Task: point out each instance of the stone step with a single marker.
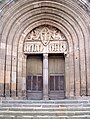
(45, 117)
(45, 108)
(45, 101)
(44, 113)
(45, 105)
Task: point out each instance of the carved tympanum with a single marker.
(45, 39)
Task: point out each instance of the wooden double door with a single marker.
(56, 80)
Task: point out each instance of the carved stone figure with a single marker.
(47, 38)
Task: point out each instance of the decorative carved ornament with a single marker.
(45, 39)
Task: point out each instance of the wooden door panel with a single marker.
(34, 82)
(34, 65)
(57, 83)
(28, 83)
(51, 83)
(40, 83)
(62, 83)
(56, 77)
(56, 65)
(57, 90)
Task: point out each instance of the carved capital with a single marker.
(45, 56)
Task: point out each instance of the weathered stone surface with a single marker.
(19, 18)
(61, 109)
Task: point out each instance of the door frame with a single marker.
(45, 91)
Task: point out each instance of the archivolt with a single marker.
(67, 16)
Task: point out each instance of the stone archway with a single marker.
(18, 19)
(45, 77)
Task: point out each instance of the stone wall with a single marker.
(18, 18)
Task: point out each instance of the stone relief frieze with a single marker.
(45, 39)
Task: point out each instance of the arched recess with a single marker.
(24, 16)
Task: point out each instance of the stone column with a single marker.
(45, 76)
